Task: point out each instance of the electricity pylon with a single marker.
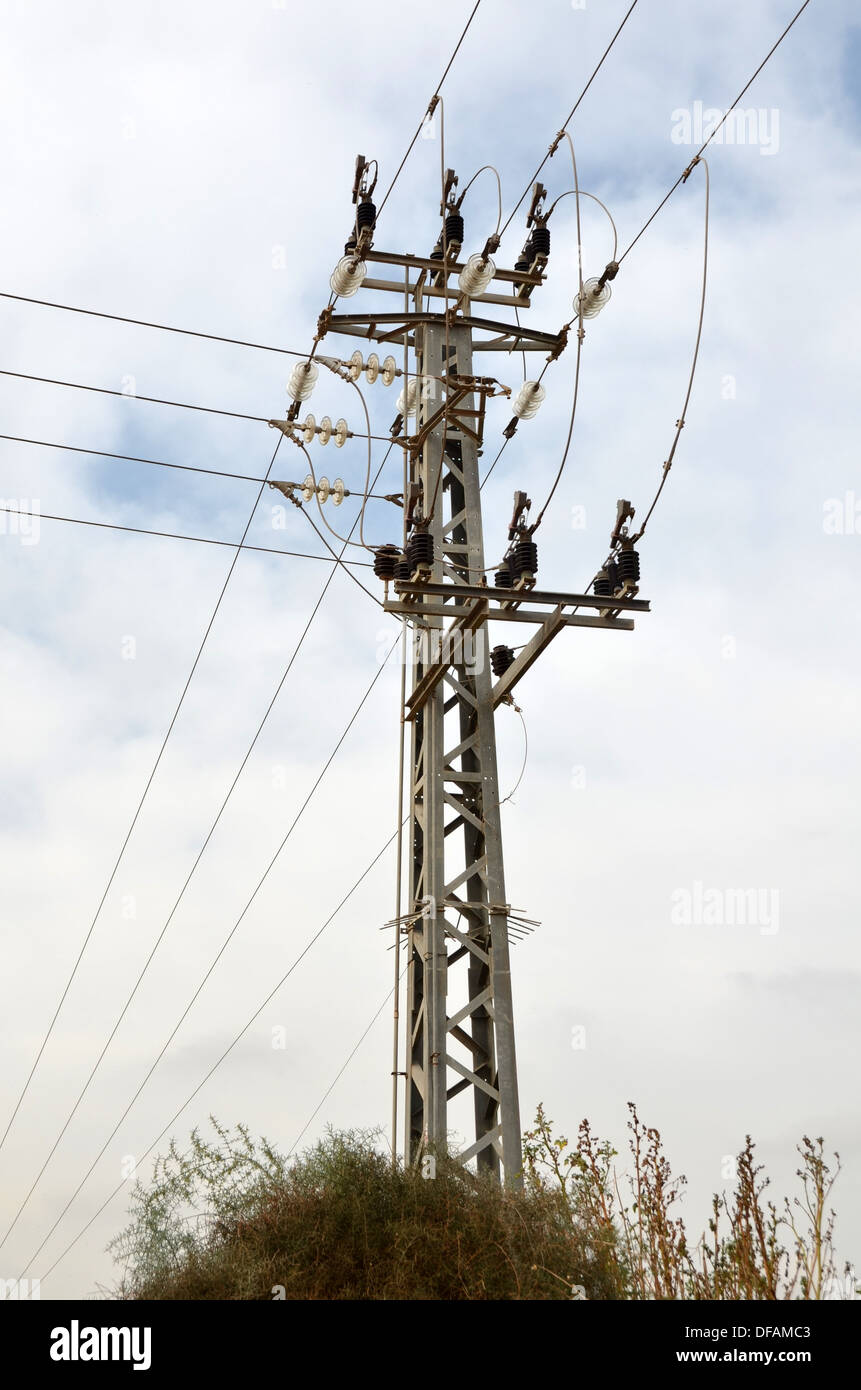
(459, 1018)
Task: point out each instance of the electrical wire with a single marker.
(330, 528)
(213, 963)
(143, 323)
(136, 815)
(157, 400)
(681, 420)
(132, 458)
(519, 712)
(326, 1094)
(580, 336)
(399, 860)
(553, 147)
(177, 536)
(191, 873)
(680, 423)
(446, 348)
(152, 400)
(430, 107)
(569, 193)
(360, 393)
(493, 169)
(360, 544)
(184, 467)
(172, 1121)
(341, 562)
(683, 176)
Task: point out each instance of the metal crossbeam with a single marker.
(461, 591)
(508, 615)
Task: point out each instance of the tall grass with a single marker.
(232, 1218)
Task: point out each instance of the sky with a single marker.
(191, 165)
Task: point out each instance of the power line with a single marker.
(178, 536)
(134, 821)
(431, 104)
(152, 400)
(338, 559)
(143, 323)
(132, 458)
(158, 400)
(306, 948)
(326, 1094)
(681, 420)
(553, 147)
(580, 337)
(683, 176)
(184, 467)
(173, 910)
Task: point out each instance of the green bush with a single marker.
(234, 1220)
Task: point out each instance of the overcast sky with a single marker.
(192, 164)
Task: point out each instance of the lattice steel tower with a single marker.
(459, 1021)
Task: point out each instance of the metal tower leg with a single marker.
(459, 1015)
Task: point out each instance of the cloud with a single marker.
(155, 162)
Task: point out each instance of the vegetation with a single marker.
(231, 1218)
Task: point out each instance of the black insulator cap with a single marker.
(385, 559)
(525, 558)
(503, 578)
(602, 586)
(454, 228)
(420, 549)
(403, 568)
(541, 241)
(350, 246)
(629, 564)
(366, 214)
(500, 659)
(436, 253)
(612, 571)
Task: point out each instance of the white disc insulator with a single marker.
(372, 368)
(356, 365)
(325, 430)
(347, 276)
(323, 489)
(390, 371)
(528, 399)
(309, 429)
(476, 275)
(308, 488)
(341, 432)
(337, 492)
(593, 298)
(408, 406)
(302, 379)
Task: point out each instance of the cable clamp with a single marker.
(285, 426)
(694, 162)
